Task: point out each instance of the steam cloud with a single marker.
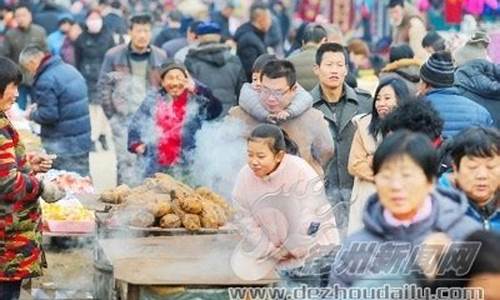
(219, 155)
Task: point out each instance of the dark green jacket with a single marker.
(356, 101)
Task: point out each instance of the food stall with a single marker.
(165, 240)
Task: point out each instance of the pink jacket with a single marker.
(276, 212)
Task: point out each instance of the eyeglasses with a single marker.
(266, 92)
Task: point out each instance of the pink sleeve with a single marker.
(245, 219)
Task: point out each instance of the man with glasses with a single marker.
(309, 130)
(339, 104)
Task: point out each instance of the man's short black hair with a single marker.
(404, 142)
(394, 3)
(475, 142)
(402, 51)
(116, 4)
(10, 73)
(255, 8)
(280, 68)
(141, 19)
(331, 47)
(314, 33)
(434, 40)
(416, 116)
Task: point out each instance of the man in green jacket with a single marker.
(339, 104)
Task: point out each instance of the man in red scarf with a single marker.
(163, 128)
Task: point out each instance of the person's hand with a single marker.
(51, 192)
(271, 118)
(282, 115)
(141, 149)
(41, 163)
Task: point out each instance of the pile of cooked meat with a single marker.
(162, 201)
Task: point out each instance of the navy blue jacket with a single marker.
(62, 110)
(142, 127)
(458, 112)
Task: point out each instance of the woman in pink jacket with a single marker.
(283, 214)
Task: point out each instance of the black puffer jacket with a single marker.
(479, 80)
(250, 45)
(89, 54)
(215, 66)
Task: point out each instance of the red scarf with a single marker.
(170, 119)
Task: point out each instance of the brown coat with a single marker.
(360, 166)
(310, 131)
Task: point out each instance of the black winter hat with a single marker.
(171, 65)
(438, 70)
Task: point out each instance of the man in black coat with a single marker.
(250, 37)
(213, 57)
(479, 80)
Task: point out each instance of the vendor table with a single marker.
(176, 263)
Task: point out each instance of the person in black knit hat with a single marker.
(457, 111)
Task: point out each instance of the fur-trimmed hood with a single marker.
(401, 64)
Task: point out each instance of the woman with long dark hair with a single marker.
(390, 93)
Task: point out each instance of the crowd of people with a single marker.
(415, 159)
